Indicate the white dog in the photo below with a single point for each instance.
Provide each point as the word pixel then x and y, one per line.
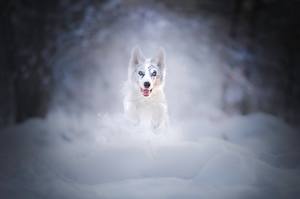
pixel 145 101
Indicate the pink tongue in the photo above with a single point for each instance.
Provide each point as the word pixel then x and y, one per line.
pixel 146 92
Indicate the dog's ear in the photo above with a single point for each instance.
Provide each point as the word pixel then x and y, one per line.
pixel 137 56
pixel 160 60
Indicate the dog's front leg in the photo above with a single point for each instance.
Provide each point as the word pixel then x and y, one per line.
pixel 160 117
pixel 132 113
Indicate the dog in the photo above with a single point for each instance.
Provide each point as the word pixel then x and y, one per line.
pixel 145 101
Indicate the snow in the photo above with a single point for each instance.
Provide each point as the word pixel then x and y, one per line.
pixel 107 158
pixel 85 148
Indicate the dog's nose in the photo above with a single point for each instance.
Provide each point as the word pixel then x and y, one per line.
pixel 147 84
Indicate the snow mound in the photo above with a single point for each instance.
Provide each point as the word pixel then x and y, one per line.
pixel 106 157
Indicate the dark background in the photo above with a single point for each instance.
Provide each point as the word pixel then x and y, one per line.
pixel 268 30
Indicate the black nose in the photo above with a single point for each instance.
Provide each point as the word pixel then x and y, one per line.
pixel 147 84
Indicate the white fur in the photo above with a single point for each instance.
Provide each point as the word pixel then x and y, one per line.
pixel 147 110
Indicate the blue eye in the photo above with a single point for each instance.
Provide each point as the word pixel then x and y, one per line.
pixel 153 73
pixel 141 73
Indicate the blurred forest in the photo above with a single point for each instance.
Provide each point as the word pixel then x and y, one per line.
pixel 33 31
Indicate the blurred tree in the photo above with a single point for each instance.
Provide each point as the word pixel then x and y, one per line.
pixel 25 73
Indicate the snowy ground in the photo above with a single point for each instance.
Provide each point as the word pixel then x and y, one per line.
pixel 85 148
pixel 256 156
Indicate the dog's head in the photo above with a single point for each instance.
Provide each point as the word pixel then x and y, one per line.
pixel 147 74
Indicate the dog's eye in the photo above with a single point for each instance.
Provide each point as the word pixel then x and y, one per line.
pixel 141 73
pixel 153 73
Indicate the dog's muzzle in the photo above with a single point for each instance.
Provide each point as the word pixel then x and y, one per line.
pixel 146 92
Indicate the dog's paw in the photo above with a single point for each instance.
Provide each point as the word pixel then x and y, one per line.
pixel 158 127
pixel 133 121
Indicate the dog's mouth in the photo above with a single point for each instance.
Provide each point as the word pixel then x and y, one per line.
pixel 146 92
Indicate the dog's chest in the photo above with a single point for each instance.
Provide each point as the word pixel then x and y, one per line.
pixel 147 111
pixel 148 107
